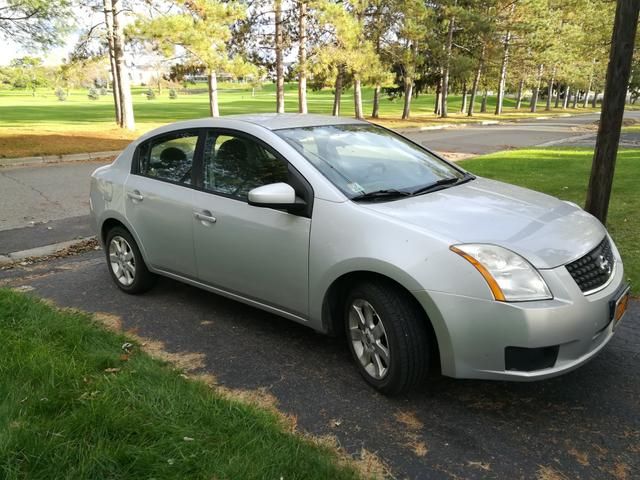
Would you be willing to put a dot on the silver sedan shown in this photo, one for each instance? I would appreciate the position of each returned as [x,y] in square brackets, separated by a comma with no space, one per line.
[356,231]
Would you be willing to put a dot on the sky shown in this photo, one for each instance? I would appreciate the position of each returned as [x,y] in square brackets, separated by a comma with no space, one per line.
[55,56]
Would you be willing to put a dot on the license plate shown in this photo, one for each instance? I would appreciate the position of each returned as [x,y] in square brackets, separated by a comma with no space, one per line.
[619,306]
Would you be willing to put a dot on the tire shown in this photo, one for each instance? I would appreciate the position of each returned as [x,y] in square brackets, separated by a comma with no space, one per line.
[125,262]
[404,336]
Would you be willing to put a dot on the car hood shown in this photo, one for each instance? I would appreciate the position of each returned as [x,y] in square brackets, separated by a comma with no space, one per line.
[546,231]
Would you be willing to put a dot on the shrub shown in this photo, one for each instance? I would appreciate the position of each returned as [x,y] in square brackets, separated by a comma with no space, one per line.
[151,95]
[173,94]
[93,94]
[103,91]
[61,94]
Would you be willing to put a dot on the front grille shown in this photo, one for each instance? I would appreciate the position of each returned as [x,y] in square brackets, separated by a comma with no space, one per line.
[595,268]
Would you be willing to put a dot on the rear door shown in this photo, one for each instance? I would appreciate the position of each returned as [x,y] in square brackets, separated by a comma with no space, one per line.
[259,253]
[159,200]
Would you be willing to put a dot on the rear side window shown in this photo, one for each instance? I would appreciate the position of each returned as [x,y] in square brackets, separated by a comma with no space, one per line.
[169,157]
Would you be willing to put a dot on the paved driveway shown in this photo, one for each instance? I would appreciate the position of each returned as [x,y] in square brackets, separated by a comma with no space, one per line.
[583,425]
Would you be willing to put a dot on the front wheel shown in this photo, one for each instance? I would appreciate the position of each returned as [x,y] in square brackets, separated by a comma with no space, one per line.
[126,266]
[387,336]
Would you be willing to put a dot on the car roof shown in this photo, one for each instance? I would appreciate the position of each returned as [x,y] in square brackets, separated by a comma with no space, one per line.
[270,121]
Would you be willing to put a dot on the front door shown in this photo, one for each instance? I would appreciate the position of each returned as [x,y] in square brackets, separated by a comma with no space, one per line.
[159,201]
[259,253]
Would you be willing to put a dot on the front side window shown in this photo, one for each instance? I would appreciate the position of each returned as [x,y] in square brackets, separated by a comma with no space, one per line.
[366,159]
[234,165]
[169,157]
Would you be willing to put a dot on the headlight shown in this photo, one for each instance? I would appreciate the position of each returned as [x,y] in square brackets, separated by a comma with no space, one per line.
[510,277]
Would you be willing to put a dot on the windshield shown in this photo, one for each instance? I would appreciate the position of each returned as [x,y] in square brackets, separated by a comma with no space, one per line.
[365,159]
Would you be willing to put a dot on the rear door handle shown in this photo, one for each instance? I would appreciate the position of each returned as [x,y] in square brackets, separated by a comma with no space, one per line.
[135,195]
[205,216]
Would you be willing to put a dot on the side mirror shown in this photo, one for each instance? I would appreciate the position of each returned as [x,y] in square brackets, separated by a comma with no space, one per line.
[274,195]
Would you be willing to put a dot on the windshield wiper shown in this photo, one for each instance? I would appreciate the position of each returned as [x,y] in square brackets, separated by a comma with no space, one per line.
[387,194]
[442,183]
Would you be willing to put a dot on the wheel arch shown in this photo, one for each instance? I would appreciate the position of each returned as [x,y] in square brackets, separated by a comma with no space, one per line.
[333,301]
[113,219]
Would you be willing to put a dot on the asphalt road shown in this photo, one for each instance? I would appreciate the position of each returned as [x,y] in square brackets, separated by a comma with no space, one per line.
[583,425]
[54,192]
[481,139]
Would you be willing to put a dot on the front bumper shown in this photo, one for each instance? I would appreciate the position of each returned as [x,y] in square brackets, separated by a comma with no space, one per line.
[473,334]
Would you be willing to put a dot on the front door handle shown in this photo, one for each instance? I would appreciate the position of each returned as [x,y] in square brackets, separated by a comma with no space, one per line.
[205,216]
[135,195]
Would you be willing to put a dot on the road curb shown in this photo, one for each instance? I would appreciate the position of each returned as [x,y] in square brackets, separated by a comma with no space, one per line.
[43,251]
[74,157]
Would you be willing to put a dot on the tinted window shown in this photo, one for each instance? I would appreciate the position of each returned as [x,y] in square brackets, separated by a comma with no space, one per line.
[233,165]
[365,158]
[169,157]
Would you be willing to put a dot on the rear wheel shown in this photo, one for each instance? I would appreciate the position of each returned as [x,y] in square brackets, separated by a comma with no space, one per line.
[127,268]
[387,336]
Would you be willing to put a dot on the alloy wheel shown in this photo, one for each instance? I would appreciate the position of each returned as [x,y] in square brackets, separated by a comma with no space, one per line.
[369,338]
[122,260]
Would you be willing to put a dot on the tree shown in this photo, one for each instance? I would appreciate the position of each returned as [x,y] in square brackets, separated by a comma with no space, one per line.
[618,73]
[202,29]
[279,47]
[415,25]
[447,63]
[28,72]
[349,53]
[127,119]
[32,23]
[115,73]
[302,56]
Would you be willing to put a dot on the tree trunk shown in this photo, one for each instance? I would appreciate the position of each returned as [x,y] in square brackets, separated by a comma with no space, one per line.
[586,93]
[550,89]
[212,84]
[357,97]
[277,5]
[437,107]
[126,102]
[519,96]
[445,75]
[594,100]
[375,113]
[408,93]
[618,72]
[302,56]
[503,72]
[533,105]
[108,20]
[575,99]
[337,96]
[463,107]
[567,92]
[483,105]
[476,81]
[557,102]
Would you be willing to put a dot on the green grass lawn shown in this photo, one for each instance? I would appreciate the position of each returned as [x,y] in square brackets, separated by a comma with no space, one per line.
[564,173]
[42,125]
[72,407]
